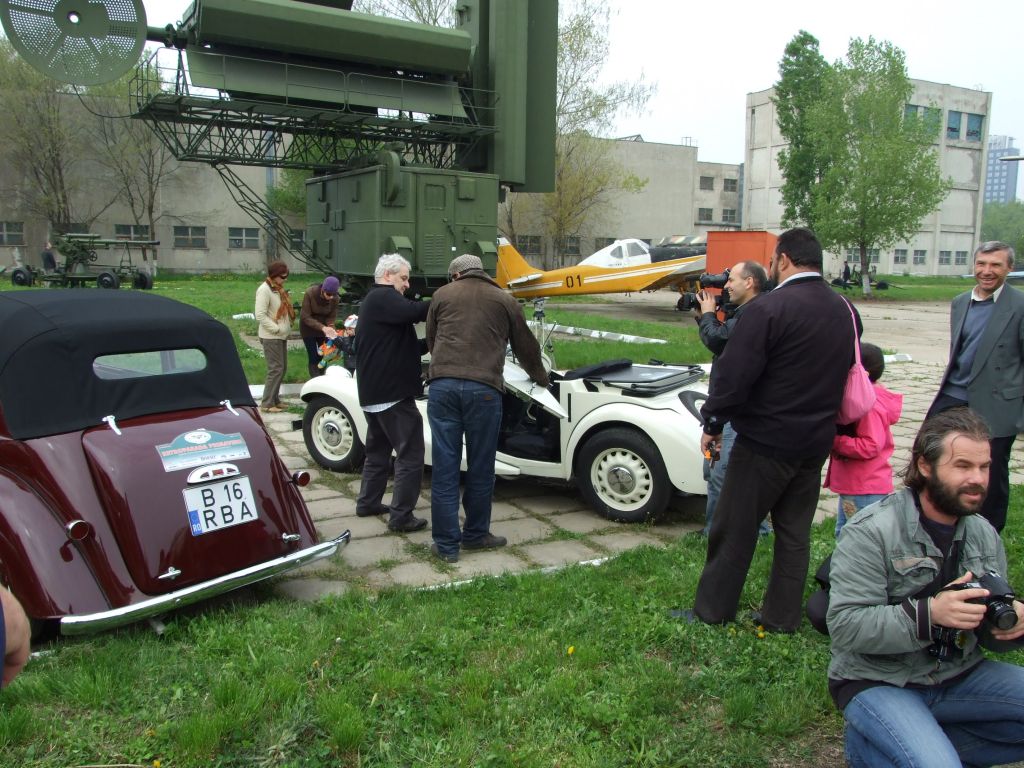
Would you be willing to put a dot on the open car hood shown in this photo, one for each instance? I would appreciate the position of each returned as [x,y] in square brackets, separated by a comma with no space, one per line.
[522,386]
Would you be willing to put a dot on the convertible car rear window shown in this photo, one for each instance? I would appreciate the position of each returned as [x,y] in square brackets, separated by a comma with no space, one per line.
[136,365]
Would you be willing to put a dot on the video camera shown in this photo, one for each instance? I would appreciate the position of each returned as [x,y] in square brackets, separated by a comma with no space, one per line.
[999,614]
[689,301]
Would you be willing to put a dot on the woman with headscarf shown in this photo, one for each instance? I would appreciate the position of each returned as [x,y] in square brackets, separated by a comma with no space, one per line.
[275,314]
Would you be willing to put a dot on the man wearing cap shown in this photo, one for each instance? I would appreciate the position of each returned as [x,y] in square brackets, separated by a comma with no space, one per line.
[389,378]
[470,323]
[316,319]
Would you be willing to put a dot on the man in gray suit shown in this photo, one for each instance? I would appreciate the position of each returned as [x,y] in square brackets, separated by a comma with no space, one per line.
[986,365]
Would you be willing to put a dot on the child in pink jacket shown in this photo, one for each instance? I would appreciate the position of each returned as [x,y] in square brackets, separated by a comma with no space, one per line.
[858,468]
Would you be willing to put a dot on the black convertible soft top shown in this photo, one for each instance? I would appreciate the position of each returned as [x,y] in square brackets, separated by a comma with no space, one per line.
[49,340]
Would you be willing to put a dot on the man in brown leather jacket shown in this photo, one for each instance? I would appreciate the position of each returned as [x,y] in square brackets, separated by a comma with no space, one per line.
[470,323]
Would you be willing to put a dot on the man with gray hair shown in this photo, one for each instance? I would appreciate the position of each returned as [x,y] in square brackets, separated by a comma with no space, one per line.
[986,365]
[470,323]
[389,377]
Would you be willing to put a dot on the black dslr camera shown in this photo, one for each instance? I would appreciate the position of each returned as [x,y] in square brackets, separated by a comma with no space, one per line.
[688,301]
[999,614]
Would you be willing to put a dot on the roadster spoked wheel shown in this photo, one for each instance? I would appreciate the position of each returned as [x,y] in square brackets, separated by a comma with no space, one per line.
[330,435]
[621,474]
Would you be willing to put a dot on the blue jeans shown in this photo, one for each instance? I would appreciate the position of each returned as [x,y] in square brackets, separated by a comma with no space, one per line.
[716,476]
[978,721]
[457,408]
[850,505]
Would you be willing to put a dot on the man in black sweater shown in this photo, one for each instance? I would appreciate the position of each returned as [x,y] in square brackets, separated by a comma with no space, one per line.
[389,378]
[779,382]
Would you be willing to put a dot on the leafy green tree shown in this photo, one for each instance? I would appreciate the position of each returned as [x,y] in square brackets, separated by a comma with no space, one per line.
[802,74]
[877,170]
[1005,222]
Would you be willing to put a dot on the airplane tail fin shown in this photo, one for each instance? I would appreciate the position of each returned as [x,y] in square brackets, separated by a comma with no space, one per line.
[511,265]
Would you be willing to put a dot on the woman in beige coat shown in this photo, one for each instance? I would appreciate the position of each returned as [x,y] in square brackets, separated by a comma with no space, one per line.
[275,314]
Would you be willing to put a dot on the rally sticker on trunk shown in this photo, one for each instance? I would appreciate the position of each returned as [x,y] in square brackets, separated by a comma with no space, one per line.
[201,446]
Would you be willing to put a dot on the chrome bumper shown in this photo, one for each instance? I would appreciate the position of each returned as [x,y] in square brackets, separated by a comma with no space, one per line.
[116,617]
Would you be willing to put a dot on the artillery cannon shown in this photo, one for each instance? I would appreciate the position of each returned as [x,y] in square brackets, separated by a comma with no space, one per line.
[78,266]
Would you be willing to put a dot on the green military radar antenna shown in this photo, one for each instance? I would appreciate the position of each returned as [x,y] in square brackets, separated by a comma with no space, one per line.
[412,130]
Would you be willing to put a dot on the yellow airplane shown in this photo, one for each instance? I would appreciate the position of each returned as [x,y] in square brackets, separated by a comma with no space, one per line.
[623,267]
[626,267]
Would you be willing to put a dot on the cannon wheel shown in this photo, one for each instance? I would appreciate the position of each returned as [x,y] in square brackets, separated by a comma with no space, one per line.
[108,280]
[21,276]
[142,280]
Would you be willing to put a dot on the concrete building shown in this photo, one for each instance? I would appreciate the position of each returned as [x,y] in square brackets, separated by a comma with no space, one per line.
[1001,178]
[681,195]
[946,237]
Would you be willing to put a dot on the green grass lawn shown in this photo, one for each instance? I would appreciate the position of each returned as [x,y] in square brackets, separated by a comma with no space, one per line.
[578,668]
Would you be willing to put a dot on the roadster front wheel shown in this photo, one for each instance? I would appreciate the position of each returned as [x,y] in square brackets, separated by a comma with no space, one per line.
[330,435]
[621,474]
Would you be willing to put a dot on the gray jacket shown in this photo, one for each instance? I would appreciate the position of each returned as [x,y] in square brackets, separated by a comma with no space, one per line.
[879,630]
[996,387]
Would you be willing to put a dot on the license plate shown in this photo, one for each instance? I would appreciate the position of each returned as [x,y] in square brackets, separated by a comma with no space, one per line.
[219,505]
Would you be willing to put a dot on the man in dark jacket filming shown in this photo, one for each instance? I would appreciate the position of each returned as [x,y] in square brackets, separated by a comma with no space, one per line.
[470,324]
[917,589]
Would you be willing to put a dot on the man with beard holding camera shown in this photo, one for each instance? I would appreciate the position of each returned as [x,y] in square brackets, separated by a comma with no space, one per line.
[747,280]
[907,618]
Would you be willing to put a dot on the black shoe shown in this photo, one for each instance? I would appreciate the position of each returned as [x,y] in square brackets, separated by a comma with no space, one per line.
[380,509]
[487,541]
[755,616]
[407,524]
[689,616]
[442,556]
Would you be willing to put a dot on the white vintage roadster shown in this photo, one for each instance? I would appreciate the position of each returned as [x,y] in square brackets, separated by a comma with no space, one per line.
[628,434]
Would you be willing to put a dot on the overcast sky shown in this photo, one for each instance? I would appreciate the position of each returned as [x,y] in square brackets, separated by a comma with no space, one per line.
[706,56]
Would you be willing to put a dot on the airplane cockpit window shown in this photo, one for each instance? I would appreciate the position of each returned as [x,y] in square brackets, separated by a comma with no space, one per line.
[636,249]
[618,252]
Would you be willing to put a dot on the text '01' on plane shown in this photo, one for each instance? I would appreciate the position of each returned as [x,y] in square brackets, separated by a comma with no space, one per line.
[627,266]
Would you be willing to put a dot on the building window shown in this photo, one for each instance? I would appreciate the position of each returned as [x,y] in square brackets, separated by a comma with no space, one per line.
[704,214]
[707,183]
[602,242]
[570,246]
[920,257]
[297,239]
[945,258]
[974,123]
[190,237]
[899,256]
[730,185]
[528,245]
[728,215]
[961,258]
[953,125]
[131,231]
[243,237]
[12,233]
[874,256]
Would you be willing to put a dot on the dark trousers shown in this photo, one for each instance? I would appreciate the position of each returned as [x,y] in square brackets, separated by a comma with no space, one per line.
[998,496]
[398,429]
[313,354]
[754,485]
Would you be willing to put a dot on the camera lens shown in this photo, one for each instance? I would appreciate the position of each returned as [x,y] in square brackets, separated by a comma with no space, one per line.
[1001,615]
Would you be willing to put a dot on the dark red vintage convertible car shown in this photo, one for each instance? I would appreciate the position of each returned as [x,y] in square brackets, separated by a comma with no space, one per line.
[136,475]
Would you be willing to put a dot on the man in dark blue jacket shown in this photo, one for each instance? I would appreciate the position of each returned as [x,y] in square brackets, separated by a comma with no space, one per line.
[779,382]
[389,378]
